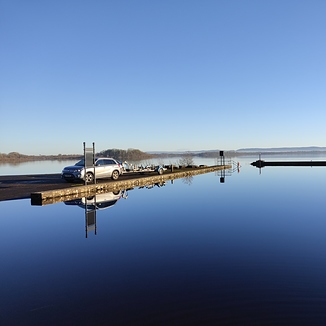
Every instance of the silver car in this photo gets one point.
(104, 168)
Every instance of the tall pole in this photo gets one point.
(94, 162)
(84, 145)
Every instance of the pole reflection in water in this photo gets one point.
(90, 219)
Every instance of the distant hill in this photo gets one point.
(282, 149)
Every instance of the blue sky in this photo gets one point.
(161, 75)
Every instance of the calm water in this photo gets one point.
(250, 251)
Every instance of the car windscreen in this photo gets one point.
(80, 163)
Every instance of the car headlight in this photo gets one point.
(76, 170)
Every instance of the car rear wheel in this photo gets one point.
(89, 177)
(115, 175)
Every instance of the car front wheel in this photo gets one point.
(89, 177)
(115, 175)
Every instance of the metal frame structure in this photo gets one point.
(89, 159)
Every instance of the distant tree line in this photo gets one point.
(119, 154)
(130, 154)
(14, 157)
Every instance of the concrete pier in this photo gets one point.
(69, 193)
(262, 163)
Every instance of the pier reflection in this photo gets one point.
(233, 167)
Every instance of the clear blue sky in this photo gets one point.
(161, 75)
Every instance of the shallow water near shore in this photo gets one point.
(249, 251)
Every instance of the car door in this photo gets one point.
(100, 169)
(109, 167)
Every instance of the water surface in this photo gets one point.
(249, 251)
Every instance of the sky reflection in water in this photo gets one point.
(249, 251)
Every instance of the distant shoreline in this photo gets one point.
(16, 158)
(30, 158)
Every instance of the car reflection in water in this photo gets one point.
(99, 201)
(94, 203)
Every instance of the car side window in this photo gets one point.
(109, 162)
(99, 162)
